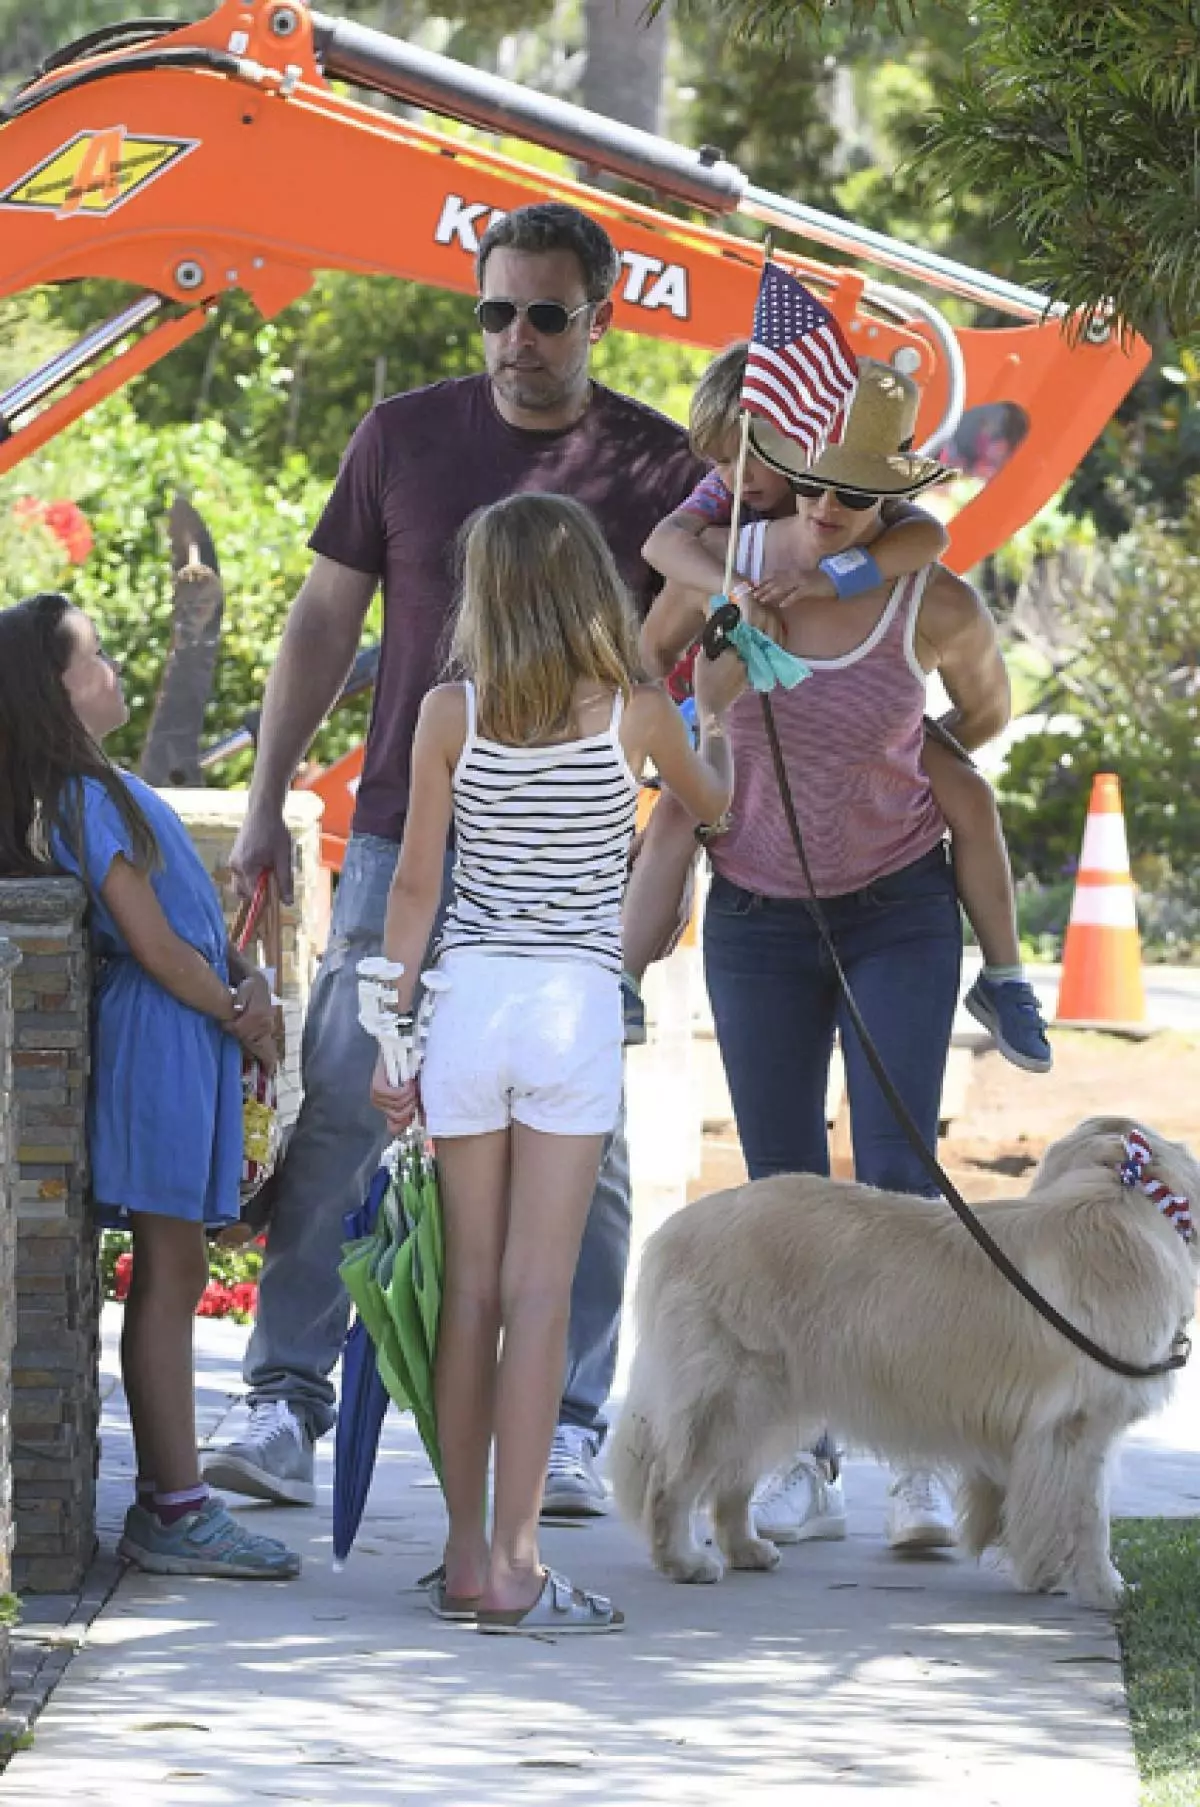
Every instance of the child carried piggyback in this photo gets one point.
(533, 756)
(168, 1028)
(688, 548)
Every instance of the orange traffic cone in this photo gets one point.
(1102, 960)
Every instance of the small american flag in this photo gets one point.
(800, 372)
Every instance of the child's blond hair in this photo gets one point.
(716, 399)
(543, 608)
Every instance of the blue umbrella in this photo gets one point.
(375, 1234)
(363, 1403)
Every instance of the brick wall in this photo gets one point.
(55, 1372)
(9, 960)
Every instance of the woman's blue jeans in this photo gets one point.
(776, 1004)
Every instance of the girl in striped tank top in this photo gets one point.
(532, 757)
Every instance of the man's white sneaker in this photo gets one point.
(802, 1503)
(573, 1489)
(918, 1513)
(273, 1461)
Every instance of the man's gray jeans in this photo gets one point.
(334, 1150)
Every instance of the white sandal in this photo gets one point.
(559, 1607)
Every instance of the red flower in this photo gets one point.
(215, 1302)
(64, 519)
(218, 1300)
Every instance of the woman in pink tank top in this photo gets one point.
(851, 736)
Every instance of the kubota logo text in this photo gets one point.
(648, 281)
(95, 172)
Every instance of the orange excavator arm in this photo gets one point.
(217, 157)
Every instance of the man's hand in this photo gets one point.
(263, 844)
(399, 1103)
(254, 1023)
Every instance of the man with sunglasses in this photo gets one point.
(417, 468)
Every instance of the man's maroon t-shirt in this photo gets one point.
(417, 467)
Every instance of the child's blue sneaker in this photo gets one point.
(1009, 1008)
(207, 1542)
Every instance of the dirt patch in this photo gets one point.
(1011, 1116)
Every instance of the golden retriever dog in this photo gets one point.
(769, 1311)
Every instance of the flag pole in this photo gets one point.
(735, 518)
(735, 513)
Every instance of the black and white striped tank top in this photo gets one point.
(542, 845)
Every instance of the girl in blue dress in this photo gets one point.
(165, 1101)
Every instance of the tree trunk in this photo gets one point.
(625, 63)
(171, 754)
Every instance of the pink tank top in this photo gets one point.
(852, 737)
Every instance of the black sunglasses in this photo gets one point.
(550, 318)
(849, 498)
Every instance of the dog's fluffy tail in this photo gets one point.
(632, 1458)
(639, 1441)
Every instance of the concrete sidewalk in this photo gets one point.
(925, 1681)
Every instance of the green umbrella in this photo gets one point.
(394, 1277)
(363, 1262)
(412, 1293)
(422, 1205)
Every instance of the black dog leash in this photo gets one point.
(715, 640)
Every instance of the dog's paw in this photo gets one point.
(693, 1566)
(753, 1553)
(1104, 1591)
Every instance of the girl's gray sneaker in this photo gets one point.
(207, 1542)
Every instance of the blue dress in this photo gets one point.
(165, 1100)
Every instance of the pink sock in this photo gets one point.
(145, 1492)
(169, 1508)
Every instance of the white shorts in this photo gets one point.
(517, 1040)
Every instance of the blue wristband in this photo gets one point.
(852, 571)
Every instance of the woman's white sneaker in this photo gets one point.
(802, 1503)
(918, 1513)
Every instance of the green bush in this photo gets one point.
(1132, 682)
(1043, 796)
(123, 475)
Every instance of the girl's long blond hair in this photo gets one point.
(542, 609)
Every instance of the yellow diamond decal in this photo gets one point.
(95, 172)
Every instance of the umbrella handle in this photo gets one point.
(380, 1016)
(394, 1061)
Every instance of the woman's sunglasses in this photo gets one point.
(550, 318)
(849, 498)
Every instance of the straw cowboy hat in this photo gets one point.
(873, 456)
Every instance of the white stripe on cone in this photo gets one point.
(1104, 906)
(1105, 848)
